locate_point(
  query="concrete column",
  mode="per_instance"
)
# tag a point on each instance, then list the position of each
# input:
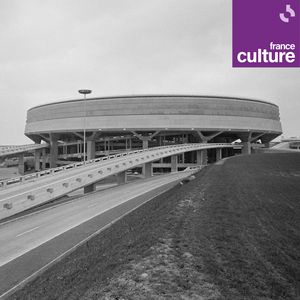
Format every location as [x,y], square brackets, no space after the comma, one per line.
[145,143]
[246,148]
[21,168]
[174,163]
[160,140]
[130,143]
[218,154]
[37,156]
[148,172]
[199,157]
[122,177]
[44,157]
[90,150]
[89,188]
[202,157]
[53,152]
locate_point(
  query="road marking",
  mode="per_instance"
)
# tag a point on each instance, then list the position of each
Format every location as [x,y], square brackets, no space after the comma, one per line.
[73,248]
[167,180]
[28,231]
[93,205]
[79,197]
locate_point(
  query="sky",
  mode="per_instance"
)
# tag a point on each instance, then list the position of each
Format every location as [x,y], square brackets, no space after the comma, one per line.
[52,48]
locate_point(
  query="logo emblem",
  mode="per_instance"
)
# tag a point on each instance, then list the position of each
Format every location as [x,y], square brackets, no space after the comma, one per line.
[266,33]
[289,10]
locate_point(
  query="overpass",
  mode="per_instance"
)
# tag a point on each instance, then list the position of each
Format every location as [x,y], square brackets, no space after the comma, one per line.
[19,151]
[24,192]
[13,150]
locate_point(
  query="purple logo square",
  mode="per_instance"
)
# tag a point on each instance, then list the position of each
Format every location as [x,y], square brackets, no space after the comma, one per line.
[266,33]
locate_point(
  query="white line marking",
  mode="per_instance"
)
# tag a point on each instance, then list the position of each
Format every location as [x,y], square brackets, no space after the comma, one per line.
[93,205]
[28,231]
[82,196]
[151,188]
[24,281]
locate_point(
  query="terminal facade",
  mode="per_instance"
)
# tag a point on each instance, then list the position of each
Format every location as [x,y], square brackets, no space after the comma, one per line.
[111,125]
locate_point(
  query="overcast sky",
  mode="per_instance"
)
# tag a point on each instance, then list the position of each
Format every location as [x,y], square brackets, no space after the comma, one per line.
[52,48]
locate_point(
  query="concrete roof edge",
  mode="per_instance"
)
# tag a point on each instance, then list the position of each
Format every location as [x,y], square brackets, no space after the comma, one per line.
[156,96]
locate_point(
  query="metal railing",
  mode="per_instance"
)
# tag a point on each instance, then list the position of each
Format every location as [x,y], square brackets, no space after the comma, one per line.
[24,192]
[9,150]
[5,183]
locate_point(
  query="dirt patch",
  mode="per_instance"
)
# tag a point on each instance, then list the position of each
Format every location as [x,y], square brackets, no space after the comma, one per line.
[232,233]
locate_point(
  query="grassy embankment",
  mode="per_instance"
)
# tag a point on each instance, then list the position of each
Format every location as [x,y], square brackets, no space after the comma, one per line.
[232,233]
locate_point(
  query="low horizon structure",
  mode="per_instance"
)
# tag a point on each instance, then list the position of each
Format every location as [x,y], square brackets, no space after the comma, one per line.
[123,123]
[286,145]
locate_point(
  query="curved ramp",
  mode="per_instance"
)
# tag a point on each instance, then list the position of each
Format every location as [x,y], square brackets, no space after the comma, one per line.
[34,189]
[17,149]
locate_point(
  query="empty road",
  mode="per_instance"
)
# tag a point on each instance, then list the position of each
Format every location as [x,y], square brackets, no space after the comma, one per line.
[21,236]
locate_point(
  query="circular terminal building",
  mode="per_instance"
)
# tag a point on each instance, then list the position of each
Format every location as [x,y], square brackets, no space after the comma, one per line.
[115,124]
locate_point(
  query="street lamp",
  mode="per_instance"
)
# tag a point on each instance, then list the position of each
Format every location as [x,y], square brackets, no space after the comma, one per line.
[84,92]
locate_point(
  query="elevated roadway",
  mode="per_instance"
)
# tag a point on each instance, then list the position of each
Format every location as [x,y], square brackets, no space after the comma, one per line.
[31,190]
[8,151]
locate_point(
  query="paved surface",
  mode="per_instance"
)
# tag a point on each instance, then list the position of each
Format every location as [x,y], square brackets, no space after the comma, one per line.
[16,149]
[31,242]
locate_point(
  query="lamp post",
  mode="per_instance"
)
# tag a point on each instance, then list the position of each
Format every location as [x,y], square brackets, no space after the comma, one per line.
[84,92]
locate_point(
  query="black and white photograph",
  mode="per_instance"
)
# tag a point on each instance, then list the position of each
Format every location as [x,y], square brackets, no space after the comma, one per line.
[150,150]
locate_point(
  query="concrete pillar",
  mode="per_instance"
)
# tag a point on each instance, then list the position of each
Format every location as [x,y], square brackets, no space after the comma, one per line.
[89,188]
[202,157]
[37,156]
[130,143]
[53,152]
[218,154]
[145,146]
[122,177]
[44,157]
[148,172]
[145,143]
[21,168]
[174,163]
[90,150]
[246,148]
[199,157]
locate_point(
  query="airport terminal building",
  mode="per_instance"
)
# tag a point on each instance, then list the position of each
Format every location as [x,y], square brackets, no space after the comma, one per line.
[111,125]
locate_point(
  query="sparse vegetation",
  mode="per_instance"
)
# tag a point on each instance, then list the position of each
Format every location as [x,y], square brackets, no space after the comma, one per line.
[232,233]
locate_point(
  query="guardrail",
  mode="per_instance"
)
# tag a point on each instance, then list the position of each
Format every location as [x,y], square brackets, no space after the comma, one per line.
[29,177]
[9,150]
[44,186]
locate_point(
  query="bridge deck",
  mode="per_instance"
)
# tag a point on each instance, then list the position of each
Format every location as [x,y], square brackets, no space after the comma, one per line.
[18,149]
[30,190]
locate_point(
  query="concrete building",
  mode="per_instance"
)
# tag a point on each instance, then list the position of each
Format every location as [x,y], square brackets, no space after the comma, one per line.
[123,123]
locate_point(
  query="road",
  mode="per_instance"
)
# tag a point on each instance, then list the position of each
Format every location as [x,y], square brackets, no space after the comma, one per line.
[31,191]
[21,236]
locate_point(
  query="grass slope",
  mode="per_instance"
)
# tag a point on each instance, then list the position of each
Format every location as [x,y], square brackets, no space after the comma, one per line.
[232,233]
